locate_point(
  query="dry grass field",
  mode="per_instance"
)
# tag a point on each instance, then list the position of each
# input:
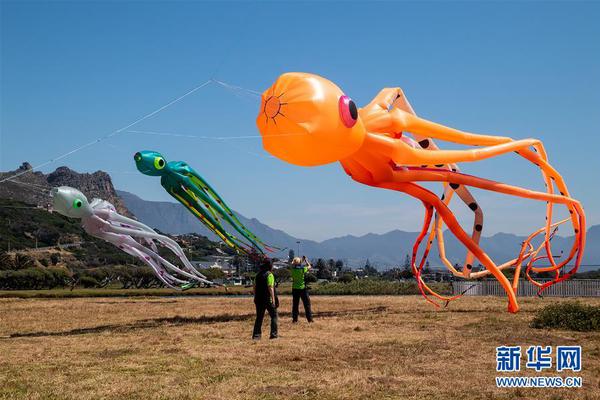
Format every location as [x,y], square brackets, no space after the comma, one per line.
[200,348]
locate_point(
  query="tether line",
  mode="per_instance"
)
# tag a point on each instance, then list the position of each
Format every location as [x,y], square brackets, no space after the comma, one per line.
[111,134]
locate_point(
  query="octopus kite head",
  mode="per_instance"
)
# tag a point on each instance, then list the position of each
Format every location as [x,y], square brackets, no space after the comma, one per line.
[70,202]
[306,120]
[150,162]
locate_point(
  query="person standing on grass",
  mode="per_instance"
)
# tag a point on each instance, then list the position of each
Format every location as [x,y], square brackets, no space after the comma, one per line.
[300,266]
[265,299]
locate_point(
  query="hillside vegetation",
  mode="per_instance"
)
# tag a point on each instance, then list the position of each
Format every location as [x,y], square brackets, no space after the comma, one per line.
[44,250]
[23,223]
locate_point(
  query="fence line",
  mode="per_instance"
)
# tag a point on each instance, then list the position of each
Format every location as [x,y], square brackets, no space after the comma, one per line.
[568,288]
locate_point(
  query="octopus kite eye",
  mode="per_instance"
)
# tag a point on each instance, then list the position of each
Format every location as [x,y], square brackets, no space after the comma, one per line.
[77,203]
[137,156]
[348,111]
[159,163]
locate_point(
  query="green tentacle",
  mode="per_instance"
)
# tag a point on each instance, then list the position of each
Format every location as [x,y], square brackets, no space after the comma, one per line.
[212,205]
[205,186]
[207,219]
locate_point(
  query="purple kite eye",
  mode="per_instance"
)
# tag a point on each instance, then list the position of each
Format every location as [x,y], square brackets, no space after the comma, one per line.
[348,111]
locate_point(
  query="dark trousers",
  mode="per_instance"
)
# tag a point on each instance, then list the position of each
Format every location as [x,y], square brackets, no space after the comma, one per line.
[260,315]
[298,294]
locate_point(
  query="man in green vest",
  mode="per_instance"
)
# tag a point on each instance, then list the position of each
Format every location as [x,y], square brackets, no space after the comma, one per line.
[300,266]
[265,299]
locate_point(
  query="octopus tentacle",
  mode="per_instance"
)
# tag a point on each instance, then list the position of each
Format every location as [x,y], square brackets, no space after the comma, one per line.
[497,145]
[418,270]
[427,196]
[378,118]
[207,220]
[424,174]
[467,198]
[540,159]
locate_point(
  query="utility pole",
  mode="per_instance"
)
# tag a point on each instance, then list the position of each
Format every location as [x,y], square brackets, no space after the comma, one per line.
[8,239]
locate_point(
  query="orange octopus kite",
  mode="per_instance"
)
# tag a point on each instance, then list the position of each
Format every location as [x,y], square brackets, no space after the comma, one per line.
[307,120]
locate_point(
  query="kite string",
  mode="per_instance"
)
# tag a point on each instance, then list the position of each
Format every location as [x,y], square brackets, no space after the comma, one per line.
[154,133]
[235,88]
[113,133]
[20,207]
[230,87]
[217,138]
[31,186]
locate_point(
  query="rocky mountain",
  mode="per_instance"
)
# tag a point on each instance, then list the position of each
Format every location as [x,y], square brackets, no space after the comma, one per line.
[33,187]
[382,250]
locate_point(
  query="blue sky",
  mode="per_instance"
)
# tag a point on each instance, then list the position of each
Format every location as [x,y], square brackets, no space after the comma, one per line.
[72,72]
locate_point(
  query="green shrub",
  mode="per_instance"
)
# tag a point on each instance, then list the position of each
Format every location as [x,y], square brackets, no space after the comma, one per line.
[57,277]
[144,278]
[33,278]
[346,277]
[572,316]
[309,277]
[282,275]
[54,258]
[23,261]
[6,261]
[212,273]
[88,282]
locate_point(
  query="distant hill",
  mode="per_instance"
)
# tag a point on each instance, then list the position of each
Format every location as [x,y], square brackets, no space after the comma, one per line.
[381,249]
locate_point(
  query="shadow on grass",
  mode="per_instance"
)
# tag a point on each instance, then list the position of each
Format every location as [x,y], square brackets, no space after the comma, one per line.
[179,321]
[136,302]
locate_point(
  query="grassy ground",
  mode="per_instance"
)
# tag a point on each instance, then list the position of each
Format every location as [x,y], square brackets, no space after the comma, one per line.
[199,348]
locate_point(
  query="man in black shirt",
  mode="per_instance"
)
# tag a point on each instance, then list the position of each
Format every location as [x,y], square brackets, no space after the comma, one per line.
[265,299]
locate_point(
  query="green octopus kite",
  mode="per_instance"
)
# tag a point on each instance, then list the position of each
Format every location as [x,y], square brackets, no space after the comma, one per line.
[187,186]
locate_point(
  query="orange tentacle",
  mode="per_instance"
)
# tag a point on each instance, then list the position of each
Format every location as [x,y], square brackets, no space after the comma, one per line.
[449,219]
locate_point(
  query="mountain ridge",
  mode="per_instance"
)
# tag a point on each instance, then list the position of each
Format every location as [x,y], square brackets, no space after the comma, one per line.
[386,249]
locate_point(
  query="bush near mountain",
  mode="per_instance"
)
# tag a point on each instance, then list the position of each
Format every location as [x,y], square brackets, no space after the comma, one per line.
[24,224]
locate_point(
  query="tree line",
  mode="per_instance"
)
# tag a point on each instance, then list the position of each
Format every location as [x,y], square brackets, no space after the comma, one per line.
[22,272]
